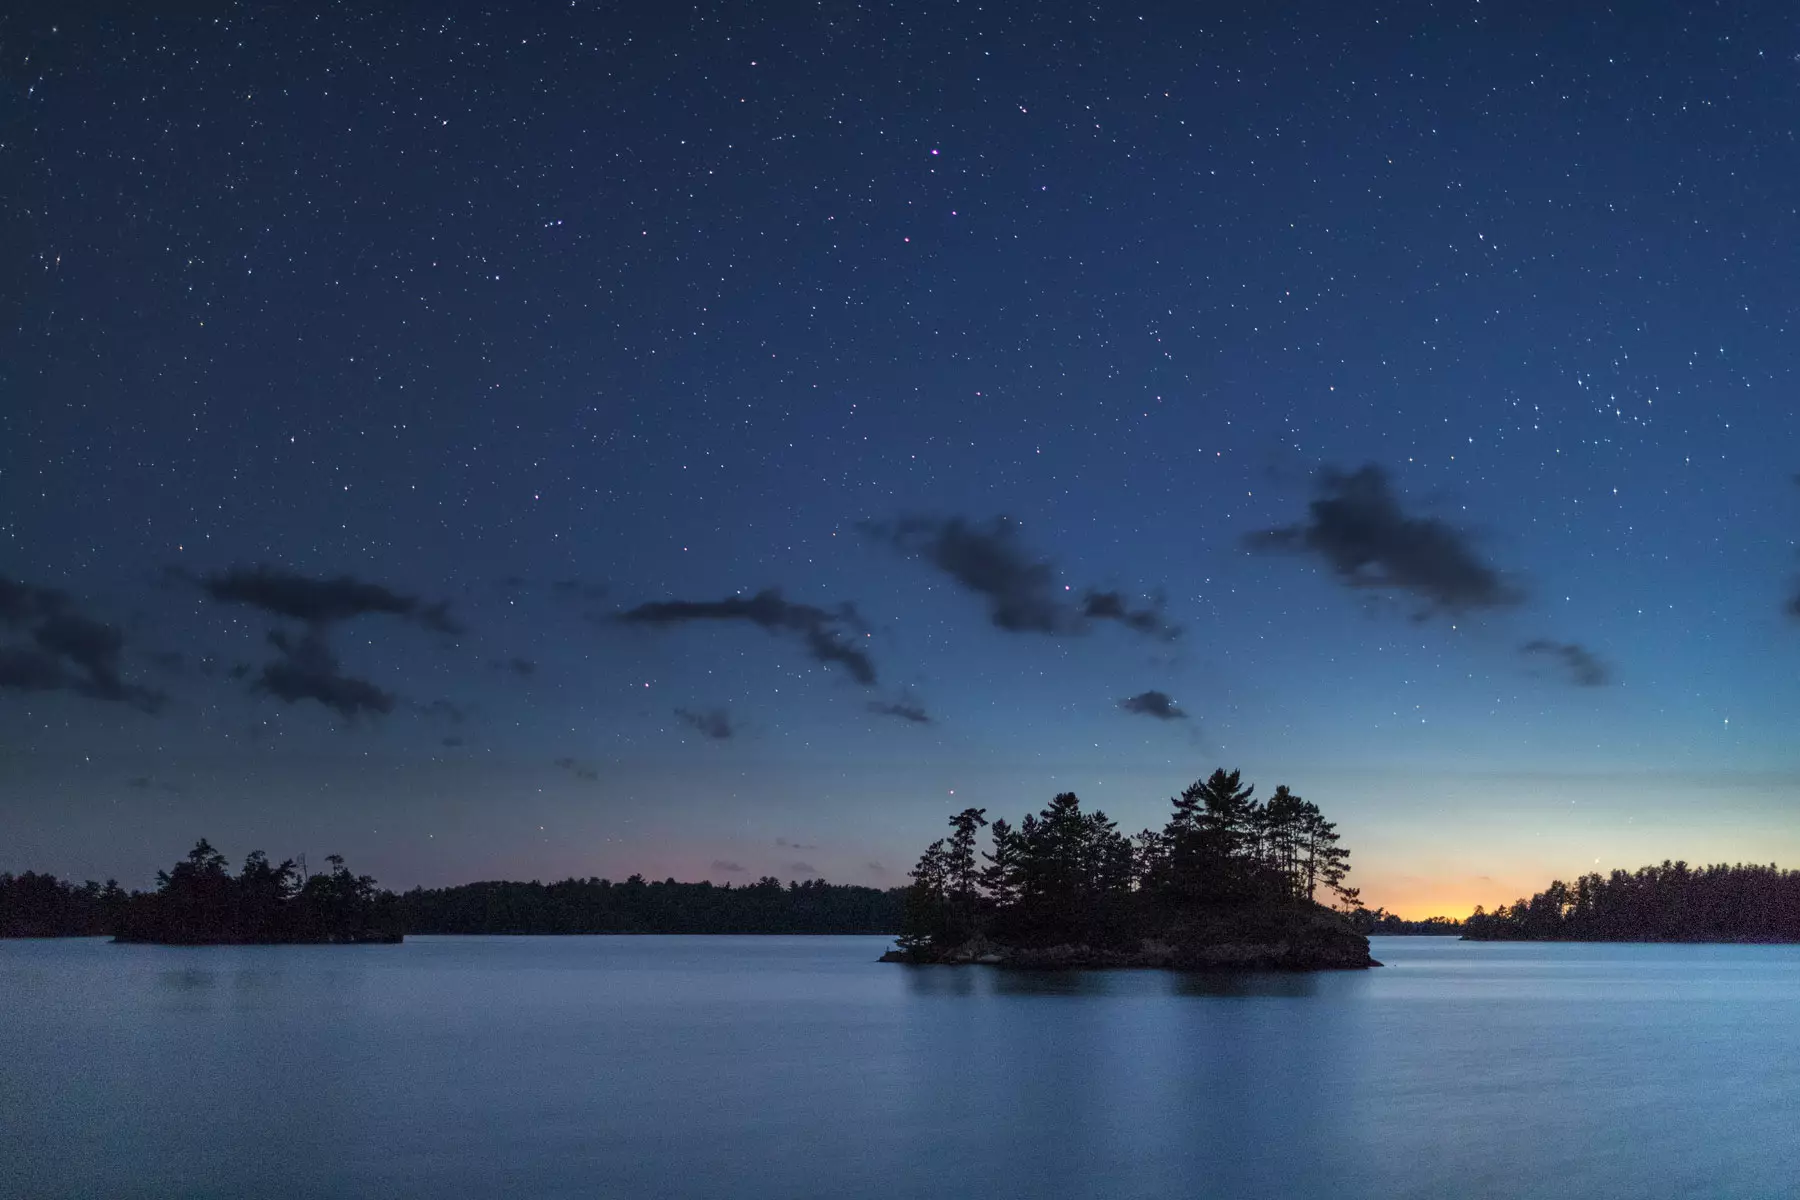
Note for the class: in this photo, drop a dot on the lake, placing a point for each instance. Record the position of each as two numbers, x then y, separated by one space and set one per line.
799 1067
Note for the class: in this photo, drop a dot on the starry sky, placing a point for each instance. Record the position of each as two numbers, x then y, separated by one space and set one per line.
530 441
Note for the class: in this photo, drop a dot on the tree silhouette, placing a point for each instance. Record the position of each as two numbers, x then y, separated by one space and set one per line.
1068 877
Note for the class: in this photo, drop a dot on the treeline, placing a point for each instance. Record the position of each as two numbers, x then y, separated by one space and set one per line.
1670 903
1381 921
34 905
199 901
637 906
1225 865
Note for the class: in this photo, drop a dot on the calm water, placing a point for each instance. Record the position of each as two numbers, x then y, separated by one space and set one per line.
789 1067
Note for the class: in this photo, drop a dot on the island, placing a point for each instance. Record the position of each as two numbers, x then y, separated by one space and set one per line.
1229 882
199 902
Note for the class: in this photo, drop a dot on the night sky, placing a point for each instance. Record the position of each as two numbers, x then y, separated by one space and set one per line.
535 441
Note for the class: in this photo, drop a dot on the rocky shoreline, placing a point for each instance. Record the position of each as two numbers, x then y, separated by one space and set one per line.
1350 953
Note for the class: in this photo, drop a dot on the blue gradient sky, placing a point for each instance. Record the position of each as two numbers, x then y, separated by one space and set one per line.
671 301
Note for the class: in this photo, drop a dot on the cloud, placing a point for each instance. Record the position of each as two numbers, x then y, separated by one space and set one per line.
1584 668
824 632
320 601
726 867
68 651
1020 590
452 742
28 670
801 868
580 770
524 668
991 562
1357 527
905 708
307 670
23 603
1111 606
785 844
1153 704
714 722
875 868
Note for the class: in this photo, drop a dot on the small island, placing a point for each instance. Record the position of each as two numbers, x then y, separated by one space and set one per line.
200 903
1229 881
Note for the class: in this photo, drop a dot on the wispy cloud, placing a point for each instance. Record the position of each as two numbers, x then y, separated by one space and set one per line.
826 633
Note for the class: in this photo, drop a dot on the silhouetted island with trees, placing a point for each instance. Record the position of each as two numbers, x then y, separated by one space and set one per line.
1229 881
1670 903
200 902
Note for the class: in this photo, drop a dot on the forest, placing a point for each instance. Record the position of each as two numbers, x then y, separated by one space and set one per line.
1380 921
1228 880
1670 903
635 906
200 902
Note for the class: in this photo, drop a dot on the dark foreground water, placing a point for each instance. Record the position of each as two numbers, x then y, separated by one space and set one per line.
790 1067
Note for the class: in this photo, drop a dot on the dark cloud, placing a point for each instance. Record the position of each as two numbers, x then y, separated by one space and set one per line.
578 769
875 868
1357 527
1020 590
68 651
714 722
905 708
787 845
801 868
27 670
1111 606
524 668
452 742
144 783
1583 668
320 601
307 670
726 867
23 603
1153 704
826 633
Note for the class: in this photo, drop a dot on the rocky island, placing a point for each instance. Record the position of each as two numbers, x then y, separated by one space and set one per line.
1228 882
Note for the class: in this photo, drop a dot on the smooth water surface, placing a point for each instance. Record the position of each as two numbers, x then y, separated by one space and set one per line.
799 1067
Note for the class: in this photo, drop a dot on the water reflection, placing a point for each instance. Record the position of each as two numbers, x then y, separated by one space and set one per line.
1238 984
188 979
798 1067
1009 982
